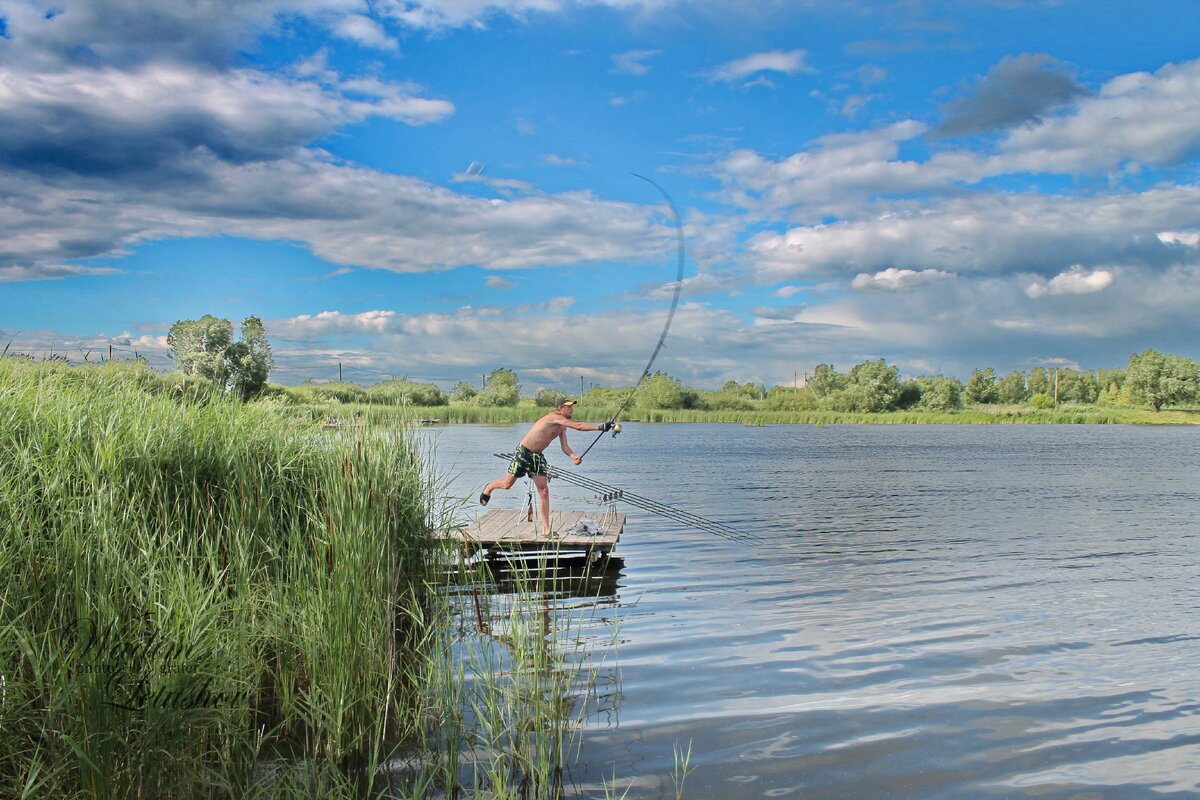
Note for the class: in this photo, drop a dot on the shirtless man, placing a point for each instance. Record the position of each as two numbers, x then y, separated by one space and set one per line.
529 459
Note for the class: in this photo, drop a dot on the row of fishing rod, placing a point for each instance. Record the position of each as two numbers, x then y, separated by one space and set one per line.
606 493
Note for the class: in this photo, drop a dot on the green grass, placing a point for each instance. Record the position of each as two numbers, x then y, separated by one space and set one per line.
192 589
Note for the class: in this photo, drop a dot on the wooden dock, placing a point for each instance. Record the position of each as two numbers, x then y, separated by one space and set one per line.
501 532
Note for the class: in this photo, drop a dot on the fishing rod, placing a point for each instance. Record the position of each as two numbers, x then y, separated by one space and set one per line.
609 493
670 315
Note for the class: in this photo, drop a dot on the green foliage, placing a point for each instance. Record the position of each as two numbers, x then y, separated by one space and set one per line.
940 393
176 547
981 388
1041 400
205 349
1039 382
874 386
724 401
1011 388
406 393
1159 379
502 389
826 380
601 396
200 346
463 392
1077 387
545 398
660 390
338 392
788 398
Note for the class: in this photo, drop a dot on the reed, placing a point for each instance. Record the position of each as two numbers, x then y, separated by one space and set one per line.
192 592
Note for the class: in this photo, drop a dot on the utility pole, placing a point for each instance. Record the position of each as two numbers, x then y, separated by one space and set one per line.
581 387
339 372
1056 386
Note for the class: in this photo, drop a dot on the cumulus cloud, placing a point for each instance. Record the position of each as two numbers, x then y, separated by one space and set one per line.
788 62
1017 90
896 280
1148 119
1076 280
117 123
988 234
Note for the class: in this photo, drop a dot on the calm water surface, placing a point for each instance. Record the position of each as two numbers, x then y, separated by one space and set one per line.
932 611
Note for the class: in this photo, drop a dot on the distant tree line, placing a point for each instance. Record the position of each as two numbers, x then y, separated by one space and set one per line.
206 354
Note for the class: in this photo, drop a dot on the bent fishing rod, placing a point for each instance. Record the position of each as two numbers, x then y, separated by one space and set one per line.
670 315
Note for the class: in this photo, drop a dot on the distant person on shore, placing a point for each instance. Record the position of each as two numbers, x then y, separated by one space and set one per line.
530 461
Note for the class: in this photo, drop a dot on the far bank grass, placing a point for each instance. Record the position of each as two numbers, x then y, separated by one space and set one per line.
456 413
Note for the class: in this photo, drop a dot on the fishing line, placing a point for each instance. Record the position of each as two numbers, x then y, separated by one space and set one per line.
611 493
670 314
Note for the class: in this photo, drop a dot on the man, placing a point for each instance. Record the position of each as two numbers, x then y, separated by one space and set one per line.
529 459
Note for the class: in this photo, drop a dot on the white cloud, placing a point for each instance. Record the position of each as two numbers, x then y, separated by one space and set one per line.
365 31
1076 280
345 214
1151 118
497 282
789 62
632 62
987 234
895 280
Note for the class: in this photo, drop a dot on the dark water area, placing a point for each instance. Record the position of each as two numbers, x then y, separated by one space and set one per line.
930 612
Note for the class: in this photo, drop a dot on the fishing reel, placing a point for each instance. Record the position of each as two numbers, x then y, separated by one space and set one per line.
616 428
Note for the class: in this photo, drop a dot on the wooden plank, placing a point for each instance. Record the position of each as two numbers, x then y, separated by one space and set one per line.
510 529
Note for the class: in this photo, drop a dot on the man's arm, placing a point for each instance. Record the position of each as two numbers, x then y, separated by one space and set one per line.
566 448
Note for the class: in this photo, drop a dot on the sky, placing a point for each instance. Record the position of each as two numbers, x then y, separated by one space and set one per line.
433 189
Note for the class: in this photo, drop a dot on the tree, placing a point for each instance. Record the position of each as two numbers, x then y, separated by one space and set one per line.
502 389
981 388
1038 382
1161 380
250 360
463 391
205 348
874 386
1011 388
200 346
826 380
940 393
1077 387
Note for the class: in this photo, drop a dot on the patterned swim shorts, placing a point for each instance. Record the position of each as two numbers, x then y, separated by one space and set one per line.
528 462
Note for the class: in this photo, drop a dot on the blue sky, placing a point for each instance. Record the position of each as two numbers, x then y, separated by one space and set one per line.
945 185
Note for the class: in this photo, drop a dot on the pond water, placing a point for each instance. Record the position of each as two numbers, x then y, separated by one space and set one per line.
931 611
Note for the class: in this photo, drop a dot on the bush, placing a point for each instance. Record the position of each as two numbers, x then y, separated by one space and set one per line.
339 392
787 398
1040 400
723 401
545 398
405 393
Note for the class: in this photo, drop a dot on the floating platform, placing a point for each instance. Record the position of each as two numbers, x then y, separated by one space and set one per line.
504 533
